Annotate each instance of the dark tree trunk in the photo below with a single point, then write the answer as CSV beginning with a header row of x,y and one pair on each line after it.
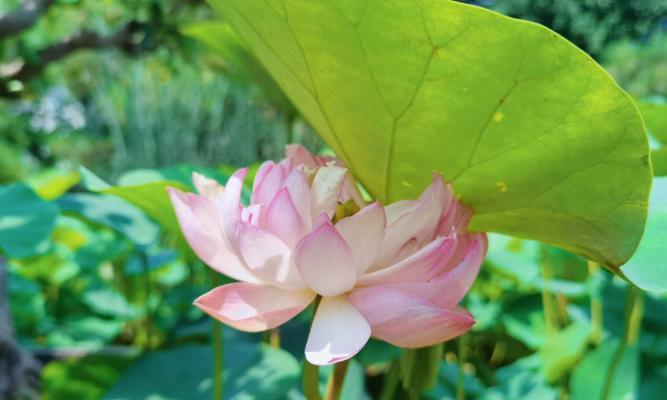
x,y
19,370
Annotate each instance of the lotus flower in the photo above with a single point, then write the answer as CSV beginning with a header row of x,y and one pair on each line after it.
x,y
395,272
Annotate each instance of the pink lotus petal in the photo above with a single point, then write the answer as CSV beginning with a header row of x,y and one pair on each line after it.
x,y
338,332
269,185
198,219
406,320
426,263
297,185
253,308
206,186
268,257
457,282
231,205
283,220
448,288
325,261
364,233
251,214
259,178
412,221
325,190
301,156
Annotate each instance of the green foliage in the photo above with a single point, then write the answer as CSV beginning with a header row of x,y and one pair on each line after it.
x,y
590,24
251,372
26,221
647,267
483,131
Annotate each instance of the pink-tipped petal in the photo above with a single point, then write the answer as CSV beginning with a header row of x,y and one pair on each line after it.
x,y
259,179
419,267
283,220
326,190
453,285
272,181
325,261
364,233
406,320
206,186
301,156
253,308
338,332
448,288
268,257
231,205
297,185
198,219
413,219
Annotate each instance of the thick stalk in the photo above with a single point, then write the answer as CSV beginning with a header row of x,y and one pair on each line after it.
x,y
335,386
311,386
218,349
463,358
548,302
391,381
596,305
634,311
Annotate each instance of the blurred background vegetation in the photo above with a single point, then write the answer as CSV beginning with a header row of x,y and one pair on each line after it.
x,y
96,283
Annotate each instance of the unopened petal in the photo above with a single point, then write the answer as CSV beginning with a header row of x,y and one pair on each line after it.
x,y
406,320
325,261
338,332
253,308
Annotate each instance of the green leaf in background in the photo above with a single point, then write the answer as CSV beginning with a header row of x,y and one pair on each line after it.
x,y
81,379
647,267
561,351
147,190
659,161
589,377
520,380
354,386
533,134
238,61
53,183
655,117
26,221
251,372
112,212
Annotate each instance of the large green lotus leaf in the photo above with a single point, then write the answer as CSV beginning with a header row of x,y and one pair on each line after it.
x,y
533,134
252,371
26,221
647,268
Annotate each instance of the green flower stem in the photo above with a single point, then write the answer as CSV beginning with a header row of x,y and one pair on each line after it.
x,y
420,368
218,349
596,306
311,387
548,301
634,311
335,386
463,357
391,381
311,382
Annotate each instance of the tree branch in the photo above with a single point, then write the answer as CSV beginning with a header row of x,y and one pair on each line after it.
x,y
23,17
